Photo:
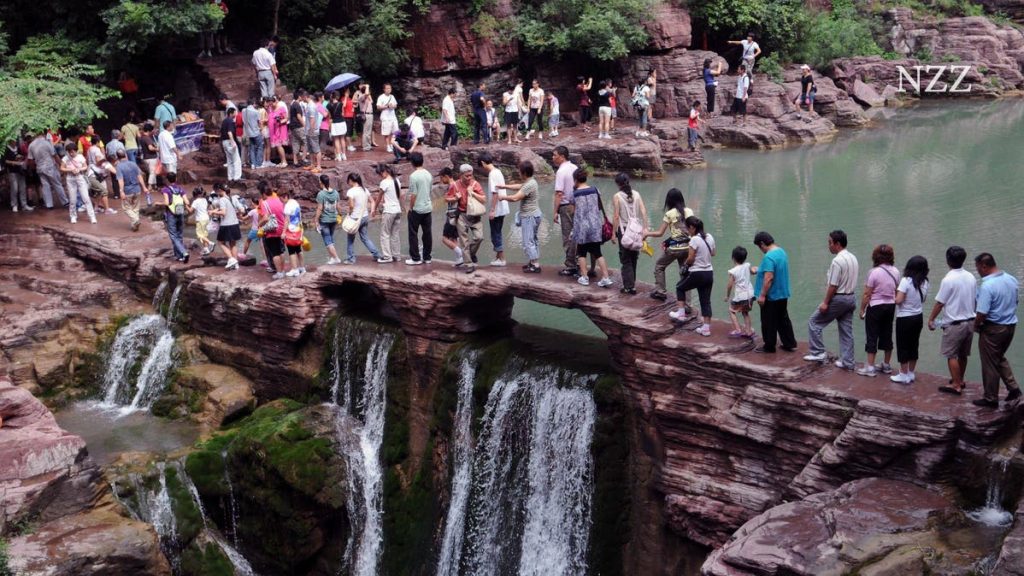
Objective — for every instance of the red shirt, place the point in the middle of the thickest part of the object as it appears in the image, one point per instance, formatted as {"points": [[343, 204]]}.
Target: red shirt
{"points": [[347, 108], [584, 97], [692, 122], [457, 191]]}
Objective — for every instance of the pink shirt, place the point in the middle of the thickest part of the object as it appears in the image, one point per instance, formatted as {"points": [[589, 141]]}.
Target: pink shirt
{"points": [[277, 209], [278, 130], [325, 124], [883, 281]]}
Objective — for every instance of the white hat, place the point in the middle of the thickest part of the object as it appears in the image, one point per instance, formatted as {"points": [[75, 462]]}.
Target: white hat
{"points": [[465, 168], [805, 67]]}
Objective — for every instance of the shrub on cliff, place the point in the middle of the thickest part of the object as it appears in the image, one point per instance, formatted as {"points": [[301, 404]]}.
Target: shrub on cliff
{"points": [[836, 34], [601, 29]]}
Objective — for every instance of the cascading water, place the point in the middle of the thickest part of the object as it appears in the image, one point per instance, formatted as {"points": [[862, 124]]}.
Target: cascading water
{"points": [[529, 508], [992, 513], [172, 308], [158, 296], [154, 507], [232, 503], [125, 383], [360, 392], [462, 461], [238, 562]]}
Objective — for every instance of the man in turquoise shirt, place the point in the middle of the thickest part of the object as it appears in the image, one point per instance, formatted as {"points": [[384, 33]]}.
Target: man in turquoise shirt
{"points": [[995, 322], [420, 207], [771, 288], [164, 111]]}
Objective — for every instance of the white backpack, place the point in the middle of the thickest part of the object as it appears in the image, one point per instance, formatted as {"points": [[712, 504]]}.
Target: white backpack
{"points": [[633, 231]]}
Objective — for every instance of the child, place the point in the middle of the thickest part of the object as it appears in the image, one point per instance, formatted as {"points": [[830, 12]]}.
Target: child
{"points": [[450, 233], [553, 114], [201, 207], [253, 216], [293, 234], [740, 293]]}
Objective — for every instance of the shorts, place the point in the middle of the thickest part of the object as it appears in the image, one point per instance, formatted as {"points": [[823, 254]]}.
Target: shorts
{"points": [[297, 137], [740, 306], [339, 128], [615, 112], [957, 339], [313, 141], [605, 111], [450, 231], [807, 99], [274, 246], [202, 233], [553, 121], [388, 127], [292, 250], [253, 235], [590, 248], [230, 233], [511, 118], [739, 106]]}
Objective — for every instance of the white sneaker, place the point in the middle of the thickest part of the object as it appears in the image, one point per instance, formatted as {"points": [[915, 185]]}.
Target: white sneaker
{"points": [[344, 158], [28, 208], [277, 276], [900, 378], [843, 365], [302, 270], [92, 220], [605, 282], [912, 376], [499, 263], [231, 263], [111, 211], [74, 220], [81, 208], [351, 148], [583, 280], [391, 149], [412, 262], [292, 273], [816, 357], [885, 368], [14, 208], [868, 371], [704, 330], [385, 260], [678, 315]]}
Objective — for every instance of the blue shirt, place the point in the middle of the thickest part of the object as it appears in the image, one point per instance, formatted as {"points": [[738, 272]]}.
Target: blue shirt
{"points": [[129, 172], [776, 262], [997, 298], [164, 111], [709, 77]]}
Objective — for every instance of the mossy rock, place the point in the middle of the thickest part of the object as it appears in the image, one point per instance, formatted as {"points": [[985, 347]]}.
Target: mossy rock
{"points": [[205, 560]]}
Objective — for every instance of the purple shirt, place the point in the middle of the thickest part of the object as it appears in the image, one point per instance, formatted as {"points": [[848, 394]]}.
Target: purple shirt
{"points": [[883, 281], [564, 182]]}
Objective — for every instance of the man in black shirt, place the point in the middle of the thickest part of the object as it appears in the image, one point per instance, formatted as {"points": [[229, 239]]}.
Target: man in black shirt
{"points": [[297, 126], [230, 145], [476, 99]]}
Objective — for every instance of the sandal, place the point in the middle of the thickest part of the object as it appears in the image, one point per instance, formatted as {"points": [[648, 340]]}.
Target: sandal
{"points": [[951, 390], [531, 269], [737, 334]]}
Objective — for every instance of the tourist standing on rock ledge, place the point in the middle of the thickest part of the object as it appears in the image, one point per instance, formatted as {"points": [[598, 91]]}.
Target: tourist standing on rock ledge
{"points": [[910, 296], [230, 144], [265, 65], [391, 216], [751, 50], [582, 92], [808, 90], [420, 208], [564, 208], [512, 100], [676, 248], [629, 220], [587, 229], [360, 206], [472, 206], [229, 232], [771, 289], [450, 230], [14, 163], [326, 216], [297, 126], [693, 126], [956, 300], [739, 102], [739, 293], [176, 205], [529, 214], [365, 101], [74, 166], [536, 106], [129, 177], [278, 129], [554, 114], [995, 322], [169, 153], [449, 120], [604, 110], [878, 309], [838, 305], [710, 84], [700, 274], [293, 235], [387, 104], [272, 225], [481, 126], [44, 156], [497, 208], [642, 103]]}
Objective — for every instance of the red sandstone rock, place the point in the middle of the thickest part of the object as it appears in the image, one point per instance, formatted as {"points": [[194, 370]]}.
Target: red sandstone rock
{"points": [[669, 27], [445, 38]]}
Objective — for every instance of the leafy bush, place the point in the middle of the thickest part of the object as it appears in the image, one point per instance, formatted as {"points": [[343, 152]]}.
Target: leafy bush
{"points": [[771, 66], [778, 21], [601, 29], [135, 25], [5, 568], [840, 33]]}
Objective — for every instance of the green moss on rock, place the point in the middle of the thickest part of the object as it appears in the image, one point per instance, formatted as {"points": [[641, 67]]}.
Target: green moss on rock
{"points": [[205, 560]]}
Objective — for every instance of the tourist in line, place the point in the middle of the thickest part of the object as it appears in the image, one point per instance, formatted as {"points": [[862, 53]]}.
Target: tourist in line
{"points": [[149, 149], [391, 200], [312, 121], [169, 153], [75, 167], [403, 142], [387, 104], [293, 234], [253, 218], [481, 125], [14, 163], [348, 112], [131, 131], [955, 300], [497, 209], [512, 100], [129, 177], [588, 222], [252, 132], [878, 309], [99, 170], [642, 103], [677, 246], [751, 50], [297, 127], [229, 232], [449, 120], [265, 65], [163, 114], [272, 225], [693, 126], [230, 145], [325, 127], [739, 293], [583, 93], [326, 216], [493, 123], [554, 115], [701, 276], [604, 110], [471, 198], [613, 103], [263, 109], [711, 84], [838, 305], [529, 214], [771, 289], [278, 129], [808, 90], [564, 208], [739, 102], [200, 207], [360, 206], [535, 103], [420, 207], [995, 323], [176, 205], [629, 220], [364, 98], [44, 155], [910, 296], [450, 230]]}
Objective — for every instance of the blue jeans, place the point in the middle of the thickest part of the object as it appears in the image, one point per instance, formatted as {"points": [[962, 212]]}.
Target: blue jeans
{"points": [[643, 117], [480, 127], [327, 232], [256, 151], [691, 136], [132, 155], [364, 237], [530, 226], [496, 224], [175, 227]]}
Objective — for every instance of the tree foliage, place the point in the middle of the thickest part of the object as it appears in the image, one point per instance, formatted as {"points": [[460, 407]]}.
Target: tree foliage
{"points": [[602, 29], [135, 25], [44, 85], [836, 34]]}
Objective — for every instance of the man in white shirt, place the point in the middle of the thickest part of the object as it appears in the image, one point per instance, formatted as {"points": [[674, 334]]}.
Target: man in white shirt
{"points": [[448, 119], [265, 65], [498, 209], [387, 104], [739, 102], [415, 124], [956, 299], [839, 304], [169, 153], [565, 206]]}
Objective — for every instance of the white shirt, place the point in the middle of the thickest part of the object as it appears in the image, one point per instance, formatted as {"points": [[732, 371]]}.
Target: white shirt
{"points": [[913, 303], [391, 205], [742, 85], [360, 198], [704, 247], [416, 126], [292, 212], [262, 59], [494, 179], [843, 272], [165, 141], [512, 105], [742, 290], [386, 103], [749, 48], [200, 205], [448, 110], [956, 294], [536, 98], [553, 107]]}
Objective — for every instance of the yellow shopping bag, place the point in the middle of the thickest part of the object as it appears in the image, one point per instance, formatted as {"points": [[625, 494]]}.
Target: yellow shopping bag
{"points": [[647, 249], [306, 246]]}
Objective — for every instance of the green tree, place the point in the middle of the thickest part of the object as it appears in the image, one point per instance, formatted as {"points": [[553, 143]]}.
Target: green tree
{"points": [[840, 33], [601, 29], [135, 25], [43, 85]]}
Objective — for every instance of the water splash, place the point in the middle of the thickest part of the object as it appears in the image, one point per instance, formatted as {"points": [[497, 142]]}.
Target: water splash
{"points": [[992, 513], [149, 335], [156, 508], [172, 308], [153, 377], [158, 296], [462, 461]]}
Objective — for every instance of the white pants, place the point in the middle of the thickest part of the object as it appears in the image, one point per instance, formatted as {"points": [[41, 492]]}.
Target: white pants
{"points": [[234, 160], [390, 241], [78, 187]]}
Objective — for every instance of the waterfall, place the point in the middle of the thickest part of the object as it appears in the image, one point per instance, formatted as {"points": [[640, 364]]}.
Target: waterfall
{"points": [[125, 382], [172, 308], [232, 503], [462, 462], [360, 392], [155, 507], [238, 562], [992, 513], [158, 296], [532, 478]]}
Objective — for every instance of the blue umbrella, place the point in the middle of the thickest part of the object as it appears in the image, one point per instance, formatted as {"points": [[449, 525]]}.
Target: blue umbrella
{"points": [[340, 81]]}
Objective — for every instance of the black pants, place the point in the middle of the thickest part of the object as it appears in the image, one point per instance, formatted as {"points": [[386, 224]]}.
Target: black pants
{"points": [[480, 127], [451, 136], [701, 281], [775, 324], [908, 337], [878, 327], [419, 221], [535, 113], [710, 92], [628, 259], [584, 114]]}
